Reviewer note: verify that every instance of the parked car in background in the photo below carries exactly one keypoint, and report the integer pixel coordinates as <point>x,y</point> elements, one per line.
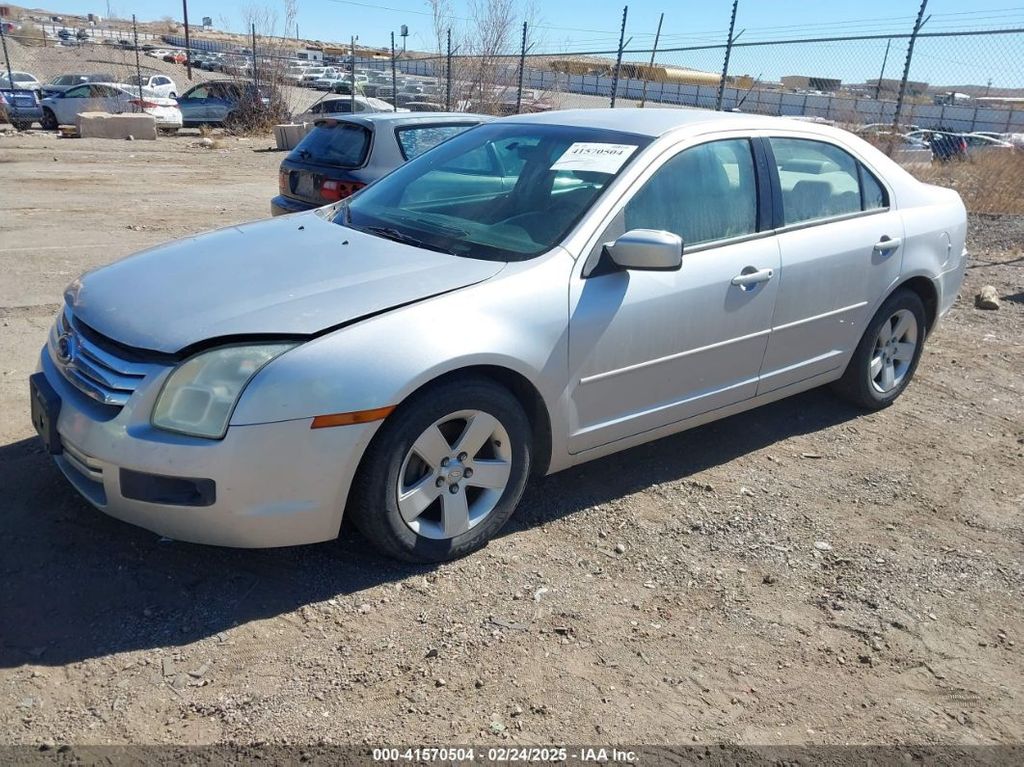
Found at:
<point>20,81</point>
<point>330,106</point>
<point>979,144</point>
<point>311,75</point>
<point>423,106</point>
<point>158,85</point>
<point>533,293</point>
<point>63,108</point>
<point>20,107</point>
<point>175,57</point>
<point>61,83</point>
<point>221,102</point>
<point>342,155</point>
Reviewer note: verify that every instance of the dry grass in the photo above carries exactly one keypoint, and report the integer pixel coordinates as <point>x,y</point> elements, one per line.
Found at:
<point>988,183</point>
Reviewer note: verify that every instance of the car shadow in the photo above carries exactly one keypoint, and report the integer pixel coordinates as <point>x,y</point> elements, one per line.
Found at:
<point>78,584</point>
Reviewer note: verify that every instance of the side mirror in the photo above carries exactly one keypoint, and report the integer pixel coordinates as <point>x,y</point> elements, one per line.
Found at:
<point>647,249</point>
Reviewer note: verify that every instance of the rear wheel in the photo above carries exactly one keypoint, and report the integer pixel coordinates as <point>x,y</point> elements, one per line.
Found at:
<point>444,473</point>
<point>887,355</point>
<point>49,121</point>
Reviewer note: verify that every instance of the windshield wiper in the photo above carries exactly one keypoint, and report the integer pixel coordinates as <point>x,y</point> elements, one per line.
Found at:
<point>397,235</point>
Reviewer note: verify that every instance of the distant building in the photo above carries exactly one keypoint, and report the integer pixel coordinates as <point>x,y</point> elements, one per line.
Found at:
<point>890,88</point>
<point>808,83</point>
<point>207,22</point>
<point>310,54</point>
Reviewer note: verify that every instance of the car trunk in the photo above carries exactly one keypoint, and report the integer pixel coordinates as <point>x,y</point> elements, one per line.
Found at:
<point>323,168</point>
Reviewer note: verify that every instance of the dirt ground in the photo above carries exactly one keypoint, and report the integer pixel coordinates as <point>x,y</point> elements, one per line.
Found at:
<point>804,573</point>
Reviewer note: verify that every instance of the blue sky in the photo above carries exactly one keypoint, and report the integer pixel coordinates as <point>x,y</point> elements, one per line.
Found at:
<point>594,25</point>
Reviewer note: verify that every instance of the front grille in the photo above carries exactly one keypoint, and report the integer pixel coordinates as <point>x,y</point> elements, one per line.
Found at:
<point>102,375</point>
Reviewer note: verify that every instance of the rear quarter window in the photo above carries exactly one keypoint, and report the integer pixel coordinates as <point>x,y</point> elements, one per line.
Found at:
<point>342,144</point>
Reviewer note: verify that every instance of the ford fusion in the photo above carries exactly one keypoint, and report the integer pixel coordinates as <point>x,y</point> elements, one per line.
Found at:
<point>533,293</point>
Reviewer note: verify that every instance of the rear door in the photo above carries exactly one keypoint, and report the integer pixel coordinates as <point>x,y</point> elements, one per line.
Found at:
<point>841,246</point>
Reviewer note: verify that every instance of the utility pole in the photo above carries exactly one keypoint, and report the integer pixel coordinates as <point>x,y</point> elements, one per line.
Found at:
<point>881,75</point>
<point>650,68</point>
<point>618,60</point>
<point>188,43</point>
<point>906,72</point>
<point>728,53</point>
<point>255,66</point>
<point>394,79</point>
<point>522,66</point>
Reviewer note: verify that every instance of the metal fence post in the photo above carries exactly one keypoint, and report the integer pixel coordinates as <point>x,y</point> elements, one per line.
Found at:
<point>881,75</point>
<point>255,67</point>
<point>352,75</point>
<point>448,75</point>
<point>618,60</point>
<point>7,60</point>
<point>728,53</point>
<point>522,66</point>
<point>138,66</point>
<point>650,68</point>
<point>394,79</point>
<point>188,43</point>
<point>906,73</point>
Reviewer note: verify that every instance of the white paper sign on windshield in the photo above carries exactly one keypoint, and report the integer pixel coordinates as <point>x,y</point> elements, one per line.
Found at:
<point>594,157</point>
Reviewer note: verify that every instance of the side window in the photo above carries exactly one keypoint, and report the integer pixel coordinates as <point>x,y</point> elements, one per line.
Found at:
<point>416,140</point>
<point>78,92</point>
<point>477,162</point>
<point>198,93</point>
<point>818,180</point>
<point>703,194</point>
<point>873,195</point>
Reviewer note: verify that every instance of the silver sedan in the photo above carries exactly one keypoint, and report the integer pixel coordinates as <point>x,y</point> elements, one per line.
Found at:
<point>534,293</point>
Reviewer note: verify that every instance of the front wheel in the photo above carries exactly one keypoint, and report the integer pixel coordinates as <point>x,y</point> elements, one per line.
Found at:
<point>444,473</point>
<point>886,357</point>
<point>21,125</point>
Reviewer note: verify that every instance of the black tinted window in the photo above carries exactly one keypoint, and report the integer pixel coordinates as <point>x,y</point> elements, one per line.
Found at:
<point>342,144</point>
<point>872,192</point>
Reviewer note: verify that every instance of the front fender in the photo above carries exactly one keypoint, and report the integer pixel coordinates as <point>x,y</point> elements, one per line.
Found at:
<point>517,320</point>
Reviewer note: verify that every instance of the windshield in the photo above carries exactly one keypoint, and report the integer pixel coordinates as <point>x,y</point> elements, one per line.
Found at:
<point>501,191</point>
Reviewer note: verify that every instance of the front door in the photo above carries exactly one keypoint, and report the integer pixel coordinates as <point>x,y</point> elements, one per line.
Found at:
<point>841,250</point>
<point>649,349</point>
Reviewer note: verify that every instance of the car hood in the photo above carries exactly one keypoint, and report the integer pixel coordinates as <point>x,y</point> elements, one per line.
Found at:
<point>294,275</point>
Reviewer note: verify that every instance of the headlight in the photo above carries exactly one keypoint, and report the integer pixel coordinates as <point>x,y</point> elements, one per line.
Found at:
<point>199,396</point>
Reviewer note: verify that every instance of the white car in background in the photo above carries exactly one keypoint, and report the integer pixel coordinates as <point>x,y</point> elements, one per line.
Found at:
<point>114,98</point>
<point>342,105</point>
<point>159,85</point>
<point>23,80</point>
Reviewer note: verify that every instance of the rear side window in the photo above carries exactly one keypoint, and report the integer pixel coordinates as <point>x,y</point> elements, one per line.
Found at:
<point>342,144</point>
<point>417,139</point>
<point>820,181</point>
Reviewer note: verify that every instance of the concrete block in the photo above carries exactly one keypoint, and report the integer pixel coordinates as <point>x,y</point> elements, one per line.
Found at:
<point>105,125</point>
<point>288,136</point>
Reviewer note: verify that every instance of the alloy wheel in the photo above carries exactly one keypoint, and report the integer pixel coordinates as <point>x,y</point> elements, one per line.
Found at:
<point>893,353</point>
<point>454,474</point>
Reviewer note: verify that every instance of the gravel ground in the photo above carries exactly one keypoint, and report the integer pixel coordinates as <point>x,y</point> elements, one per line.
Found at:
<point>803,573</point>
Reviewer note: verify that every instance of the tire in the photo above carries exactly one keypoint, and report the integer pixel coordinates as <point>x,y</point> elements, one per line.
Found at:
<point>443,523</point>
<point>880,370</point>
<point>21,125</point>
<point>49,121</point>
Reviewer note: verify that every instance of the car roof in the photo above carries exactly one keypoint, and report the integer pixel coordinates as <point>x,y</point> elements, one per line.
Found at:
<point>658,122</point>
<point>371,119</point>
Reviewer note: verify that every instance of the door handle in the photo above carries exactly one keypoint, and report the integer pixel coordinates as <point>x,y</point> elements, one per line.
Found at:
<point>887,243</point>
<point>751,276</point>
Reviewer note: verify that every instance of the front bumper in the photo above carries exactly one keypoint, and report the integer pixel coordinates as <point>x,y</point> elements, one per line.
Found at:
<point>277,484</point>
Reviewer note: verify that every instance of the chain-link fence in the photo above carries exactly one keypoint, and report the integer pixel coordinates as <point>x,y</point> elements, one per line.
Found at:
<point>967,80</point>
